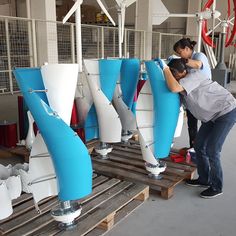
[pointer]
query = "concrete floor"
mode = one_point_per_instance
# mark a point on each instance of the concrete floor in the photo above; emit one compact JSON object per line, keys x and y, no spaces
{"x":186,"y":214}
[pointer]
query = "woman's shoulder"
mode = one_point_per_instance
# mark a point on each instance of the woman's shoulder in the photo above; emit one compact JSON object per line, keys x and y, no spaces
{"x":198,"y":55}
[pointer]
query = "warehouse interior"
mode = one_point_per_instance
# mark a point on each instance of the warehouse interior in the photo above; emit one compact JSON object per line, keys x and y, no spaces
{"x":93,"y":140}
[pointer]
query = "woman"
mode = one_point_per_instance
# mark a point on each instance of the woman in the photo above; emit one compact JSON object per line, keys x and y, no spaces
{"x":216,"y":108}
{"x":194,"y":60}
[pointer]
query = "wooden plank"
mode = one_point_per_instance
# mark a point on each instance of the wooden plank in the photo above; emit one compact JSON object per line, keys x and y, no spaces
{"x":108,"y":223}
{"x":32,"y":217}
{"x":91,"y":144}
{"x":109,"y":199}
{"x":126,"y":164}
{"x":22,"y":220}
{"x":107,"y":208}
{"x":20,"y":151}
{"x":101,"y":189}
{"x":130,"y":149}
{"x":174,"y":168}
{"x":180,"y":166}
{"x":98,"y":180}
{"x":171,"y":169}
{"x":125,"y":175}
{"x":25,"y":153}
{"x":21,"y":209}
{"x":88,"y":209}
{"x":121,"y":159}
{"x":119,"y":216}
{"x":23,"y":198}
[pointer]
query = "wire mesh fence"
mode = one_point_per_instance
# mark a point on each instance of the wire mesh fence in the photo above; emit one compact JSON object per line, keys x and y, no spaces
{"x":134,"y":44}
{"x":162,"y":44}
{"x":14,"y":51}
{"x":28,"y":43}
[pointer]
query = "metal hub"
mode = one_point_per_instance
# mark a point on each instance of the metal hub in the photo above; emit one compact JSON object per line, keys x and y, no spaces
{"x":103,"y":150}
{"x":153,"y":176}
{"x":126,"y":135}
{"x":66,"y":213}
{"x":155,"y":170}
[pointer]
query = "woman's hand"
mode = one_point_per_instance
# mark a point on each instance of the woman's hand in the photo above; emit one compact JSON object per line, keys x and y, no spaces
{"x":161,"y":63}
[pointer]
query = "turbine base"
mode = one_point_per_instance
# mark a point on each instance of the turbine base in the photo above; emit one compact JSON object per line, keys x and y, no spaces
{"x":126,"y":136}
{"x":153,"y":176}
{"x":103,"y":150}
{"x":155,"y":170}
{"x":66,"y":213}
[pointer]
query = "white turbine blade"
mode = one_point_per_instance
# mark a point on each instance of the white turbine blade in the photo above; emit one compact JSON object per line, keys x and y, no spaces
{"x":106,"y":12}
{"x":119,"y":2}
{"x":159,"y":12}
{"x":129,"y":2}
{"x":122,"y":23}
{"x":213,"y":21}
{"x":71,"y":11}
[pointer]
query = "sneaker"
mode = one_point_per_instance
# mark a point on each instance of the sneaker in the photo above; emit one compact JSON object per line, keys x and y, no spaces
{"x":196,"y":183}
{"x":210,"y":193}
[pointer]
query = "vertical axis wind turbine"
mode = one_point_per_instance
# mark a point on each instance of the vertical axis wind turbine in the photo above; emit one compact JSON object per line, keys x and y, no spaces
{"x":77,"y":9}
{"x":201,"y":16}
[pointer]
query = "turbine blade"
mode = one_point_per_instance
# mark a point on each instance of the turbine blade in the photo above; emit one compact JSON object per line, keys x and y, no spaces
{"x":71,"y":11}
{"x":129,"y":2}
{"x":213,"y":21}
{"x":118,"y":2}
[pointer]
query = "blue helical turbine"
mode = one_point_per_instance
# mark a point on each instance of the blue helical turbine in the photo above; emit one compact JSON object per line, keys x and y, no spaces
{"x":166,"y":110}
{"x":70,"y":156}
{"x":129,"y":79}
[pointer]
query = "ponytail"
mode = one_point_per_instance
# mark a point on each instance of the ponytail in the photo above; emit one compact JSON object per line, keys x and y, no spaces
{"x":184,"y":42}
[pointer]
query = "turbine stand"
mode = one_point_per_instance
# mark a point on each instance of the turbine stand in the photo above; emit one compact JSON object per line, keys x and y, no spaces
{"x":103,"y":150}
{"x":66,"y":213}
{"x":155,"y":170}
{"x":126,"y":136}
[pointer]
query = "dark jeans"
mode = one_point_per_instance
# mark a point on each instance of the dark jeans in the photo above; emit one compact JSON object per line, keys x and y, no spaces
{"x":192,"y":127}
{"x":208,"y":145}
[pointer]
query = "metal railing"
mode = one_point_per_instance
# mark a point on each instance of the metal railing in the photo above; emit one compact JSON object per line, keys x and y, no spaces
{"x":27,"y":42}
{"x":162,"y":44}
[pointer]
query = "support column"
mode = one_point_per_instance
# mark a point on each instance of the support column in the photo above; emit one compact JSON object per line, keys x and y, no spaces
{"x":192,"y":25}
{"x":143,"y":21}
{"x":46,"y":32}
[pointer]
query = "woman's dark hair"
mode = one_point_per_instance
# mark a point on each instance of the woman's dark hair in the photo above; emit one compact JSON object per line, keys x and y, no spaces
{"x":177,"y":65}
{"x":184,"y":42}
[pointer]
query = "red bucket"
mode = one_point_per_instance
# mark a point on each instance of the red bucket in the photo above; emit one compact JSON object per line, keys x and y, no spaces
{"x":8,"y":133}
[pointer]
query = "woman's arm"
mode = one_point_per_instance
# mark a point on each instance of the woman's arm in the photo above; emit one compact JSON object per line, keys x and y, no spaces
{"x":195,"y":64}
{"x":172,"y":83}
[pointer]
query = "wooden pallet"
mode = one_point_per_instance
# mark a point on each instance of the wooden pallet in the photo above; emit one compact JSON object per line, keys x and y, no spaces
{"x":20,"y":151}
{"x":25,"y":153}
{"x":111,"y":200}
{"x":125,"y":162}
